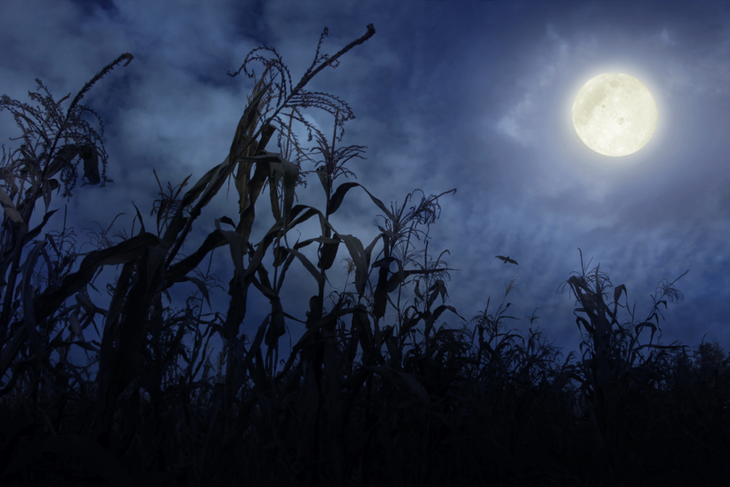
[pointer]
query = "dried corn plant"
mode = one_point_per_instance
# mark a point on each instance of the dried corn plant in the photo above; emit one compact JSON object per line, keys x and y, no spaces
{"x":52,"y":140}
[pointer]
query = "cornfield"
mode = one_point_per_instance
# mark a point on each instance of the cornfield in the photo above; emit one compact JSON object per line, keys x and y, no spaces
{"x":423,"y":405}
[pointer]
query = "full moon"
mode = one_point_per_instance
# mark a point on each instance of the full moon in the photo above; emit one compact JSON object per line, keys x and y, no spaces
{"x":614,"y":114}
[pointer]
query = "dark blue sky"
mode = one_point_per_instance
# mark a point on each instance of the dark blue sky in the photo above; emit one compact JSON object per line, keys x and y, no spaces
{"x":471,"y":95}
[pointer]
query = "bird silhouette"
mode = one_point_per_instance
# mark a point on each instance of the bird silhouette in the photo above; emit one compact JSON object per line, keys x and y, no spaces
{"x":507,"y":259}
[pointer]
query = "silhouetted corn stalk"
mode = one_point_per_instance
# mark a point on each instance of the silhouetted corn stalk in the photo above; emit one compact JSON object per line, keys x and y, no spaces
{"x":38,"y":160}
{"x":611,"y":361}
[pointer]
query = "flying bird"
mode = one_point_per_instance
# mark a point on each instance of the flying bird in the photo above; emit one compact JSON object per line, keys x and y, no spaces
{"x":507,"y":259}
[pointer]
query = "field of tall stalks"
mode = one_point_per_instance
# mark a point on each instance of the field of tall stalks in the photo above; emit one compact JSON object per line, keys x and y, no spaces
{"x":362,"y":400}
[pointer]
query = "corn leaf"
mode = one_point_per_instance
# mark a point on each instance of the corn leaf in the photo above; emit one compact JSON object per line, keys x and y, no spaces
{"x":9,"y":207}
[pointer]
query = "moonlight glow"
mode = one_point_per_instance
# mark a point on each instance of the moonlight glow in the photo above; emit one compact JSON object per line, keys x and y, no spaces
{"x":614,"y":114}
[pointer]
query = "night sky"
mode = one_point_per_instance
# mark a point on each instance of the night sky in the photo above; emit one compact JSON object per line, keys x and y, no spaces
{"x":472,"y":95}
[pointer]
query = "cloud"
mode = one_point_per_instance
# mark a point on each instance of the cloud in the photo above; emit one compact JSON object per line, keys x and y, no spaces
{"x":507,"y":125}
{"x":665,"y":38}
{"x":540,"y":87}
